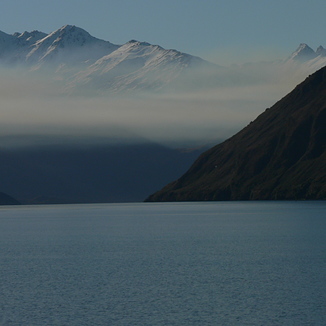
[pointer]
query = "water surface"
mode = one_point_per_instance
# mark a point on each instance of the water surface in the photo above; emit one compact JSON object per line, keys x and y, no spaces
{"x":222,"y":263}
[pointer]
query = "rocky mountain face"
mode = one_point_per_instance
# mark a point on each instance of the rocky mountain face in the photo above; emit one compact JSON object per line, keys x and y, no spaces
{"x":279,"y":156}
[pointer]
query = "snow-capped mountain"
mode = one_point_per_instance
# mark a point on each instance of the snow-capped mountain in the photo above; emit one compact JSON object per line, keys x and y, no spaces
{"x":303,"y":53}
{"x":321,"y":51}
{"x":14,"y":48}
{"x":67,"y":45}
{"x":137,"y":65}
{"x":307,"y":59}
{"x":85,"y":63}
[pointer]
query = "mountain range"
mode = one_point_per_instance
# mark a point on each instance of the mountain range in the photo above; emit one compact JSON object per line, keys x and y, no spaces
{"x":84,"y":63}
{"x":305,"y":53}
{"x":279,"y":156}
{"x":67,"y":45}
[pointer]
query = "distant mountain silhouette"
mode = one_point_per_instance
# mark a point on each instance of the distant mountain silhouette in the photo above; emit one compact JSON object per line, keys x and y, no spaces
{"x":96,"y":174}
{"x":7,"y":200}
{"x":281,"y":155}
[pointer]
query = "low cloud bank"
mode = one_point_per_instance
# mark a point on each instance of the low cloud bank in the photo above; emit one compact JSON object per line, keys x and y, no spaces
{"x":36,"y":111}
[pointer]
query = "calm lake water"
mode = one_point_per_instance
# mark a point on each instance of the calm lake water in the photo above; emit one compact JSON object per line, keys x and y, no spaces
{"x":223,"y":263}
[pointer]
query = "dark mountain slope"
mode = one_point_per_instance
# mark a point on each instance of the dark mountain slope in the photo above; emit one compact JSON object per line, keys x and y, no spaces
{"x":281,"y":155}
{"x":82,"y":174}
{"x":7,"y":200}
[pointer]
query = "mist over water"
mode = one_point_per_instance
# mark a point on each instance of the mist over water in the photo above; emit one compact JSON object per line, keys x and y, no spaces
{"x":39,"y":107}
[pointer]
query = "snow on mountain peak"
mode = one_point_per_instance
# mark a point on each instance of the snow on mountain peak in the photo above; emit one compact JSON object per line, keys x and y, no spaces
{"x":303,"y":53}
{"x":30,"y":36}
{"x":72,"y":53}
{"x":321,"y":51}
{"x":69,"y":44}
{"x":68,"y":34}
{"x":135,"y":42}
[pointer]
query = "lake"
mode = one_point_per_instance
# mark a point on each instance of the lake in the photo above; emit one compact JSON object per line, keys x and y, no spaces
{"x":212,"y":263}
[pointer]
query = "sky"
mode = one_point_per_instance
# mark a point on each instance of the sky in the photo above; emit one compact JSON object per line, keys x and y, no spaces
{"x":225,"y":32}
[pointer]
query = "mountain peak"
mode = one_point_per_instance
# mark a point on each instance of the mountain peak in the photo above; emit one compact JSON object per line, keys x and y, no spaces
{"x":69,"y":33}
{"x":303,"y":53}
{"x":30,"y":37}
{"x":69,"y":44}
{"x":72,"y":30}
{"x":68,"y":27}
{"x":138,"y":43}
{"x":321,"y":51}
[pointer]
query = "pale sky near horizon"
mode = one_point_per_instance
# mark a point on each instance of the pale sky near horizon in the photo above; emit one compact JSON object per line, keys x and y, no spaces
{"x":225,"y":32}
